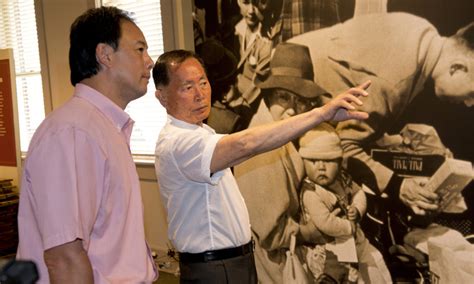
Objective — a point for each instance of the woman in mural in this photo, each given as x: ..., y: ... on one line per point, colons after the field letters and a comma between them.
x: 264, y: 24
x: 270, y: 182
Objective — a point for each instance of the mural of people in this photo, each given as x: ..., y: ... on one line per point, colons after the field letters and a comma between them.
x: 418, y: 55
x: 278, y: 174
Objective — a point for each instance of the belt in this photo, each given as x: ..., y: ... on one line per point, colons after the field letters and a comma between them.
x: 219, y: 254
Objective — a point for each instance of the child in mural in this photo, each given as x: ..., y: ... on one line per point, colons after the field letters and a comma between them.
x: 328, y: 188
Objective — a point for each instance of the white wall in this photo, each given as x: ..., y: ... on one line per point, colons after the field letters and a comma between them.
x: 54, y: 18
x: 155, y: 215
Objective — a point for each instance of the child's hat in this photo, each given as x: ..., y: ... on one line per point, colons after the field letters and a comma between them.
x: 320, y: 143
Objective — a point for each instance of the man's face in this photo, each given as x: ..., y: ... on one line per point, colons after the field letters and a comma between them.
x: 188, y: 95
x: 131, y: 63
x: 284, y: 104
x: 322, y: 172
x: 456, y: 82
x: 250, y: 12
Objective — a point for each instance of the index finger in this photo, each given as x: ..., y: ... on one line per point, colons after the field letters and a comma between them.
x: 365, y: 85
x: 360, y: 90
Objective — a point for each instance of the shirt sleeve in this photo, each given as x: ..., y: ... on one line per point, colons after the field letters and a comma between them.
x: 319, y: 211
x: 66, y: 175
x: 193, y: 154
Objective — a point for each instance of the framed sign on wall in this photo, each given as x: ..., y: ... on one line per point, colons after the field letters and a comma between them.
x: 10, y: 156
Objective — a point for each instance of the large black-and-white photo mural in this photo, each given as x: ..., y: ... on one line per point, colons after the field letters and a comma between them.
x: 387, y: 199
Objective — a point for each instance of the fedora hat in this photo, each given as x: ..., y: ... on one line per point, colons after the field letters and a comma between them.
x: 291, y: 69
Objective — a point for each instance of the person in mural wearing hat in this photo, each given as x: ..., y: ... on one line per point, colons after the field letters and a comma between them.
x: 400, y: 53
x: 328, y: 189
x: 208, y: 221
x: 269, y: 182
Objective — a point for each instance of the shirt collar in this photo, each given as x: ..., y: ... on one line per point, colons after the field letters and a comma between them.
x: 120, y: 119
x: 183, y: 124
x: 433, y: 54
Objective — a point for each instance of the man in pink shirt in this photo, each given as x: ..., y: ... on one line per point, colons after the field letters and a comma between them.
x: 81, y: 215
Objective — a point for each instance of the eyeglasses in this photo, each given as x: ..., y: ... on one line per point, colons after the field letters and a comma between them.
x: 288, y: 99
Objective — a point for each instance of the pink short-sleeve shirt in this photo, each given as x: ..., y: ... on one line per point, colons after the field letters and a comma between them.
x: 80, y: 182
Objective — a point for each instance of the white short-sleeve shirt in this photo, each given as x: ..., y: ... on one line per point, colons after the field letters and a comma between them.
x: 205, y: 212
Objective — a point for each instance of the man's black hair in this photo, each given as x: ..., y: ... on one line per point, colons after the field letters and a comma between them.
x: 97, y: 25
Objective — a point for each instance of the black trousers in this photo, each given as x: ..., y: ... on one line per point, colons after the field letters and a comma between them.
x: 240, y: 269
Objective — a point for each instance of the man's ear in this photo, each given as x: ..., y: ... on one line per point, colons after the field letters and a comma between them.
x: 103, y: 54
x: 161, y: 96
